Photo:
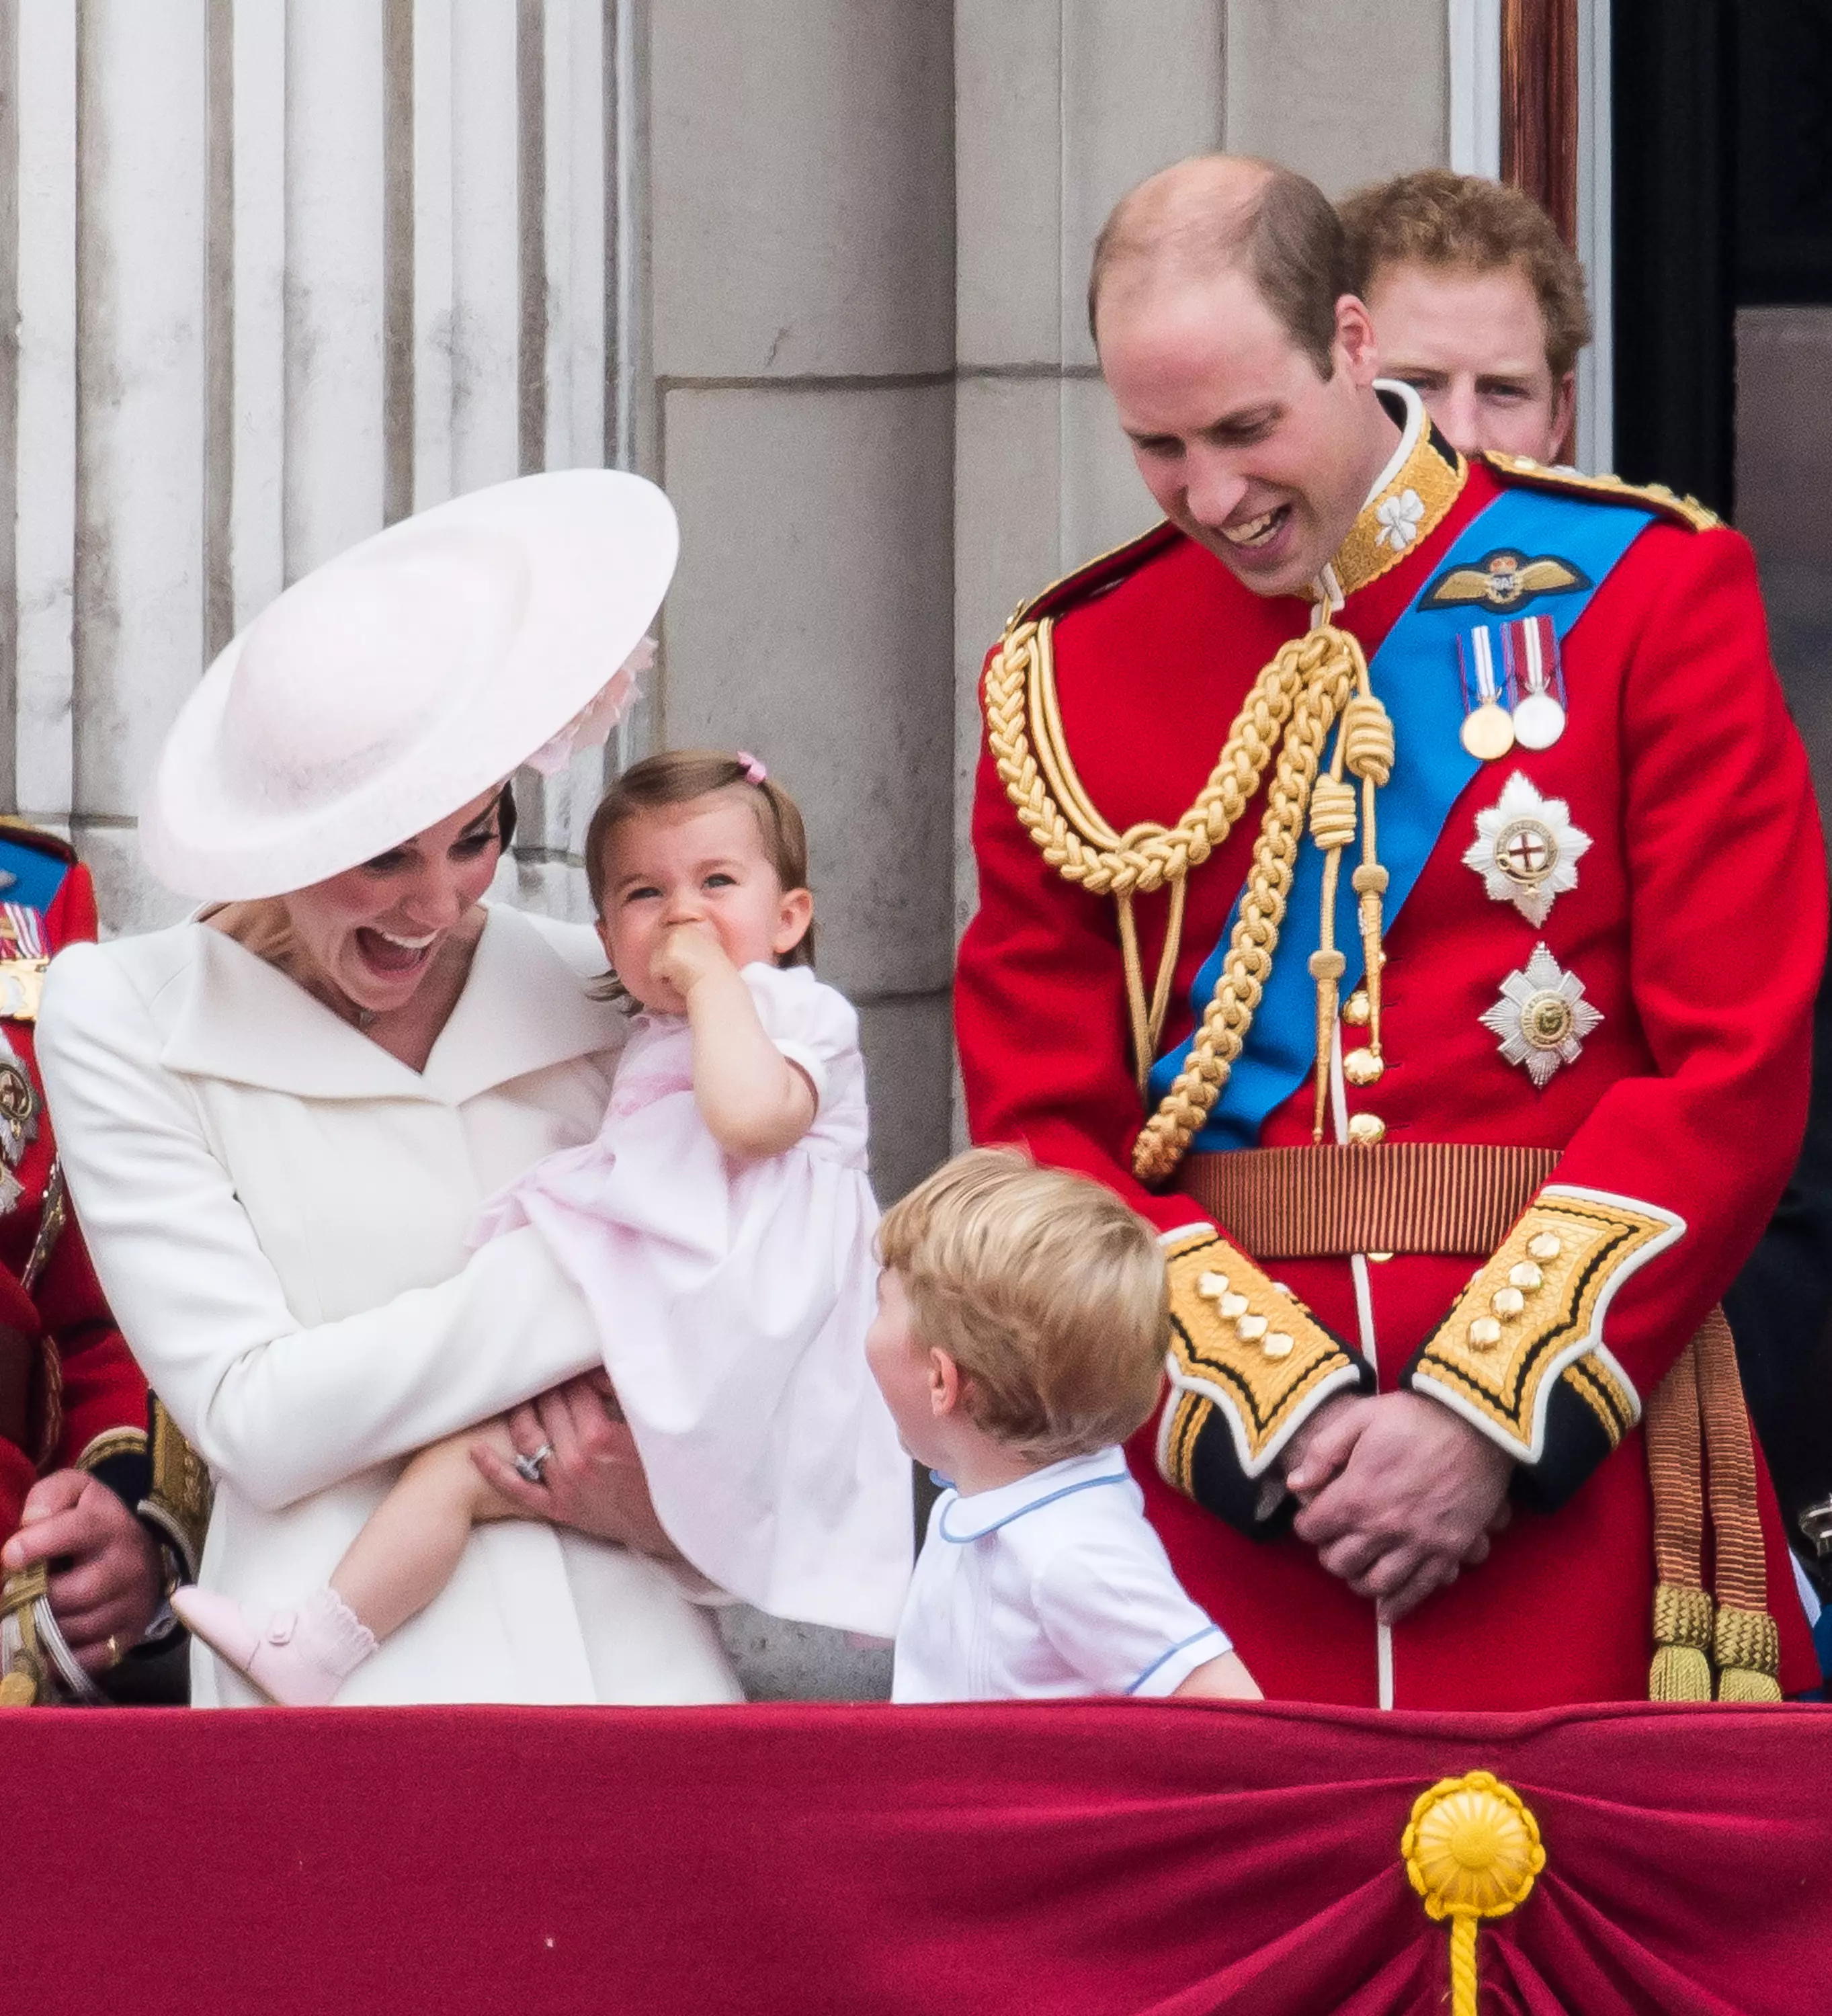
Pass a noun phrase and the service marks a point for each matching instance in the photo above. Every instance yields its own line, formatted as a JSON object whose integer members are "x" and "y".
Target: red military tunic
{"x": 72, "y": 1395}
{"x": 1696, "y": 927}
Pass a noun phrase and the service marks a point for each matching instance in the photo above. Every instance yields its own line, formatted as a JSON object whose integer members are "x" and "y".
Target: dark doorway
{"x": 1722, "y": 141}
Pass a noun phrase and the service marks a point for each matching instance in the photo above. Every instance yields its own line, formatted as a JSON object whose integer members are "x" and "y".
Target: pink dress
{"x": 733, "y": 1299}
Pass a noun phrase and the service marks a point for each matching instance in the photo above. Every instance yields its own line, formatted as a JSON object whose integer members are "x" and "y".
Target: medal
{"x": 1542, "y": 1017}
{"x": 22, "y": 980}
{"x": 1527, "y": 850}
{"x": 1487, "y": 732}
{"x": 19, "y": 1122}
{"x": 1530, "y": 646}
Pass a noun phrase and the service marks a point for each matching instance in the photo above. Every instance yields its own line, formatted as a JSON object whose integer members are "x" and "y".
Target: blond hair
{"x": 1433, "y": 217}
{"x": 1046, "y": 1291}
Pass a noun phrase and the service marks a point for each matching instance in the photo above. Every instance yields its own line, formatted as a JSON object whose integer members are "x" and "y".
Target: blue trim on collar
{"x": 1195, "y": 1638}
{"x": 1035, "y": 1505}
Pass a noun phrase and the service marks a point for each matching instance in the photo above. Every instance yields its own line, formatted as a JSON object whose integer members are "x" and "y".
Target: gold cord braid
{"x": 1331, "y": 664}
{"x": 1040, "y": 779}
{"x": 1290, "y": 710}
{"x": 1365, "y": 748}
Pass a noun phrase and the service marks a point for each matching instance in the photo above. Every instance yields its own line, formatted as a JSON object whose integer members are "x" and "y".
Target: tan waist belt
{"x": 1400, "y": 1197}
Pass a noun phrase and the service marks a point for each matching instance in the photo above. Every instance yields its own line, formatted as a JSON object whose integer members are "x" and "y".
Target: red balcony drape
{"x": 1106, "y": 1859}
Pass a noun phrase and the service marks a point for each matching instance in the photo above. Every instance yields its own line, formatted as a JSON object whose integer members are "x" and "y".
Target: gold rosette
{"x": 1471, "y": 1851}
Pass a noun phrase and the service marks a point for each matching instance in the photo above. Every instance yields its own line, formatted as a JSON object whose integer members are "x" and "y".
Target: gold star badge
{"x": 1542, "y": 1017}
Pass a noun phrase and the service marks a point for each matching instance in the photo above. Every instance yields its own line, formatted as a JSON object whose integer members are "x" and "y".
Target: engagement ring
{"x": 532, "y": 1466}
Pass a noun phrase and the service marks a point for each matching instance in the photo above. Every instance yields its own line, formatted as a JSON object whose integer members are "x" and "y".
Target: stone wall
{"x": 282, "y": 270}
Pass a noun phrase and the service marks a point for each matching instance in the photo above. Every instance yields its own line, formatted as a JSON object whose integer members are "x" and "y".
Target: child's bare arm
{"x": 753, "y": 1100}
{"x": 1224, "y": 1679}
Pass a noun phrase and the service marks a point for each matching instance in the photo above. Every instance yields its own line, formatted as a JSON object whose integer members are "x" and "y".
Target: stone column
{"x": 801, "y": 278}
{"x": 1344, "y": 92}
{"x": 1064, "y": 105}
{"x": 280, "y": 273}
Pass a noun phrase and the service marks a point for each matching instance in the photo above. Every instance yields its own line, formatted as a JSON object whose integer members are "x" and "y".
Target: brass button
{"x": 1484, "y": 1333}
{"x": 1380, "y": 1257}
{"x": 1252, "y": 1329}
{"x": 1507, "y": 1303}
{"x": 1356, "y": 1010}
{"x": 1365, "y": 1129}
{"x": 1524, "y": 1274}
{"x": 1277, "y": 1345}
{"x": 1233, "y": 1305}
{"x": 1546, "y": 1246}
{"x": 1211, "y": 1287}
{"x": 1363, "y": 1068}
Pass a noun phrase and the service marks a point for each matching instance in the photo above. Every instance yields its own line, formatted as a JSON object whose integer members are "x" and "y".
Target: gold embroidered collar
{"x": 1408, "y": 502}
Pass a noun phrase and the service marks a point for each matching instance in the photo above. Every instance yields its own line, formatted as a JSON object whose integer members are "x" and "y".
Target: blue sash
{"x": 1415, "y": 673}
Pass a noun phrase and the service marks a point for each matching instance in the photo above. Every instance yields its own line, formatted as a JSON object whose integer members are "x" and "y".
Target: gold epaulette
{"x": 1104, "y": 571}
{"x": 1656, "y": 497}
{"x": 14, "y": 828}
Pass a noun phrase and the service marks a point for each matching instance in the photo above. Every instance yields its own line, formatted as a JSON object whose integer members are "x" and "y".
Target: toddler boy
{"x": 1019, "y": 1338}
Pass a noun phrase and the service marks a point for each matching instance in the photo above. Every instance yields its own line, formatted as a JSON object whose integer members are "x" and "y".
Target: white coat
{"x": 278, "y": 1211}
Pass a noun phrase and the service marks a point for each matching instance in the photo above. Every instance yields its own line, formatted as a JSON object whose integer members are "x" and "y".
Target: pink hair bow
{"x": 754, "y": 772}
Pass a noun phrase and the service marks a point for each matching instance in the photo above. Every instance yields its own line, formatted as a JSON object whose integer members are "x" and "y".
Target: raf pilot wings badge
{"x": 1504, "y": 580}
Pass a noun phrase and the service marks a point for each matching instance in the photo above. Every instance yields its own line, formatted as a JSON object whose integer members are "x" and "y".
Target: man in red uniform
{"x": 74, "y": 1466}
{"x": 1504, "y": 834}
{"x": 1478, "y": 305}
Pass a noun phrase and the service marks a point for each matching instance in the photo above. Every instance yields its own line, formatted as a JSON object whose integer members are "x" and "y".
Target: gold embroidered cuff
{"x": 1243, "y": 1342}
{"x": 1534, "y": 1315}
{"x": 179, "y": 1502}
{"x": 112, "y": 1442}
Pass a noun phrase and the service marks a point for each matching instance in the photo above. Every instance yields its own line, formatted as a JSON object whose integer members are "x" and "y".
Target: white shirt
{"x": 1051, "y": 1587}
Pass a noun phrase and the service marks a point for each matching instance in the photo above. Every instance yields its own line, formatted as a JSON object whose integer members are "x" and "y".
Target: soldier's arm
{"x": 1666, "y": 1186}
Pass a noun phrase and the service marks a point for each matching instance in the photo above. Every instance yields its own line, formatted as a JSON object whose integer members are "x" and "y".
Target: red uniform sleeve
{"x": 1727, "y": 935}
{"x": 102, "y": 1399}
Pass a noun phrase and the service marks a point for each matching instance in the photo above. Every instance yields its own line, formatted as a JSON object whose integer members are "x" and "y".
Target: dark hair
{"x": 1285, "y": 231}
{"x": 505, "y": 817}
{"x": 1435, "y": 218}
{"x": 676, "y": 777}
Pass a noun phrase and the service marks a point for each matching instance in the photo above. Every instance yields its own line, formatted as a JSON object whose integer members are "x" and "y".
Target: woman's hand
{"x": 105, "y": 1592}
{"x": 592, "y": 1481}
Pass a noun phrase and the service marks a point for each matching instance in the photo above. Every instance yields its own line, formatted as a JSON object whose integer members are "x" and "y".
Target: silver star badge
{"x": 1527, "y": 850}
{"x": 1541, "y": 1017}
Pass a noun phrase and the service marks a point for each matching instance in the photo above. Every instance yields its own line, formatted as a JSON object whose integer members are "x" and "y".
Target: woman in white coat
{"x": 278, "y": 1119}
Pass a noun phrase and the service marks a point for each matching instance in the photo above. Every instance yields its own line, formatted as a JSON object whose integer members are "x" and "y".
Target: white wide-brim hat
{"x": 401, "y": 680}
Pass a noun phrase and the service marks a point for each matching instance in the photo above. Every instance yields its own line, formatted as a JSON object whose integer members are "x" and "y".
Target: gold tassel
{"x": 1748, "y": 1648}
{"x": 24, "y": 1680}
{"x": 1682, "y": 1632}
